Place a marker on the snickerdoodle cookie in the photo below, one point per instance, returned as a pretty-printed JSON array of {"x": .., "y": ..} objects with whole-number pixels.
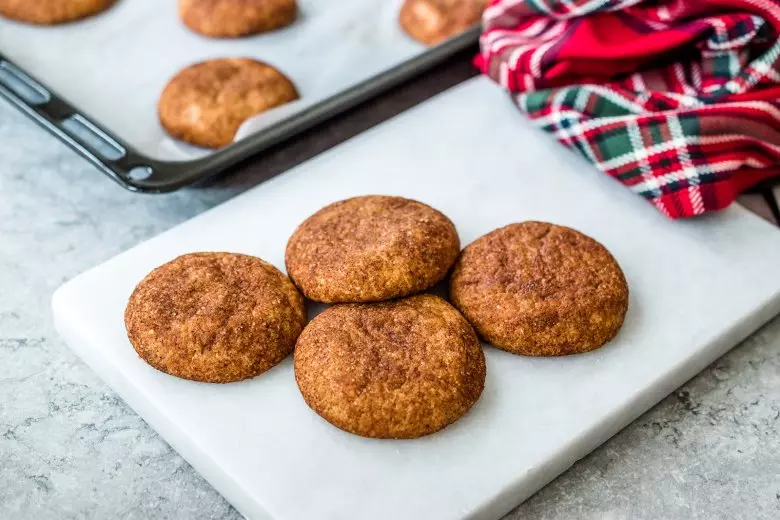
[
  {"x": 51, "y": 12},
  {"x": 214, "y": 317},
  {"x": 433, "y": 21},
  {"x": 399, "y": 369},
  {"x": 206, "y": 103},
  {"x": 539, "y": 289},
  {"x": 371, "y": 248},
  {"x": 234, "y": 18}
]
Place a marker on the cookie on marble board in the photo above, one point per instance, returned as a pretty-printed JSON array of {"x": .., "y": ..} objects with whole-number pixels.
[
  {"x": 393, "y": 370},
  {"x": 433, "y": 21},
  {"x": 539, "y": 289},
  {"x": 233, "y": 19},
  {"x": 214, "y": 317},
  {"x": 52, "y": 12},
  {"x": 206, "y": 103},
  {"x": 371, "y": 248}
]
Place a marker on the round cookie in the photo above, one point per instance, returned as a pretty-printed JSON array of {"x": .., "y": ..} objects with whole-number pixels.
[
  {"x": 52, "y": 12},
  {"x": 433, "y": 21},
  {"x": 538, "y": 289},
  {"x": 371, "y": 248},
  {"x": 399, "y": 369},
  {"x": 214, "y": 317},
  {"x": 232, "y": 18},
  {"x": 206, "y": 103}
]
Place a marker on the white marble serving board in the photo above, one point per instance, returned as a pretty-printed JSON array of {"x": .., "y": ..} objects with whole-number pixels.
[
  {"x": 114, "y": 66},
  {"x": 697, "y": 288}
]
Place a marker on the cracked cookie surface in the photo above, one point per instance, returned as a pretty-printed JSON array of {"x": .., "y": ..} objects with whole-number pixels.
[
  {"x": 206, "y": 103},
  {"x": 214, "y": 317},
  {"x": 371, "y": 248},
  {"x": 399, "y": 369},
  {"x": 235, "y": 18},
  {"x": 52, "y": 12},
  {"x": 539, "y": 289},
  {"x": 433, "y": 21}
]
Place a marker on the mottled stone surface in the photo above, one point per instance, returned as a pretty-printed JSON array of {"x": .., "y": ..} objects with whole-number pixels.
[
  {"x": 70, "y": 448},
  {"x": 709, "y": 451}
]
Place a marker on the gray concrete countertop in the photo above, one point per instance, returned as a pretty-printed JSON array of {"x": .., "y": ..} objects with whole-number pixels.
[{"x": 70, "y": 448}]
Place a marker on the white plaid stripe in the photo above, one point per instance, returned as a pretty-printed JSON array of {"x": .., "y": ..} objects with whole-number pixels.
[
  {"x": 771, "y": 73},
  {"x": 496, "y": 39},
  {"x": 529, "y": 83},
  {"x": 717, "y": 167},
  {"x": 725, "y": 43},
  {"x": 640, "y": 155},
  {"x": 574, "y": 128},
  {"x": 573, "y": 10},
  {"x": 688, "y": 170},
  {"x": 666, "y": 146},
  {"x": 761, "y": 67},
  {"x": 658, "y": 203},
  {"x": 580, "y": 101},
  {"x": 500, "y": 15},
  {"x": 638, "y": 82},
  {"x": 503, "y": 72},
  {"x": 696, "y": 74},
  {"x": 679, "y": 74},
  {"x": 515, "y": 55},
  {"x": 697, "y": 203},
  {"x": 591, "y": 124},
  {"x": 536, "y": 58}
]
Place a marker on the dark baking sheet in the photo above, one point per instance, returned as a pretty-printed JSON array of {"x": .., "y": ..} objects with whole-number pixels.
[{"x": 141, "y": 172}]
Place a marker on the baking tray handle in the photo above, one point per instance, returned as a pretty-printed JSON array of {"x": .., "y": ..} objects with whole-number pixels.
[
  {"x": 107, "y": 152},
  {"x": 138, "y": 172}
]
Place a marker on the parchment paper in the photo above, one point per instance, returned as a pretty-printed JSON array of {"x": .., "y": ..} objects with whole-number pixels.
[{"x": 114, "y": 66}]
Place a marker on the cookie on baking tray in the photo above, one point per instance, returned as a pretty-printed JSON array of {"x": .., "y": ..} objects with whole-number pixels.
[
  {"x": 52, "y": 12},
  {"x": 433, "y": 21},
  {"x": 232, "y": 19},
  {"x": 400, "y": 369},
  {"x": 206, "y": 103},
  {"x": 539, "y": 289},
  {"x": 371, "y": 248},
  {"x": 214, "y": 317}
]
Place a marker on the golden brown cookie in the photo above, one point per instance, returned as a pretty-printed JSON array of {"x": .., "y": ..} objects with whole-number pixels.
[
  {"x": 51, "y": 12},
  {"x": 206, "y": 103},
  {"x": 433, "y": 21},
  {"x": 539, "y": 289},
  {"x": 214, "y": 317},
  {"x": 399, "y": 369},
  {"x": 371, "y": 248},
  {"x": 234, "y": 18}
]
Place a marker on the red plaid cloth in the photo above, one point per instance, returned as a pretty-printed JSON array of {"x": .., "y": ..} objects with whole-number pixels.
[{"x": 677, "y": 99}]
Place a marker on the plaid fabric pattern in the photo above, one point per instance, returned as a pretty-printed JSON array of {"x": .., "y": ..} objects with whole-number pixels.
[{"x": 677, "y": 99}]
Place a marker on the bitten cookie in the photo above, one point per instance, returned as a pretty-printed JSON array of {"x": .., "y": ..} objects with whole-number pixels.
[
  {"x": 433, "y": 21},
  {"x": 206, "y": 103},
  {"x": 232, "y": 18},
  {"x": 371, "y": 248},
  {"x": 52, "y": 12},
  {"x": 399, "y": 369},
  {"x": 539, "y": 289},
  {"x": 214, "y": 317}
]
